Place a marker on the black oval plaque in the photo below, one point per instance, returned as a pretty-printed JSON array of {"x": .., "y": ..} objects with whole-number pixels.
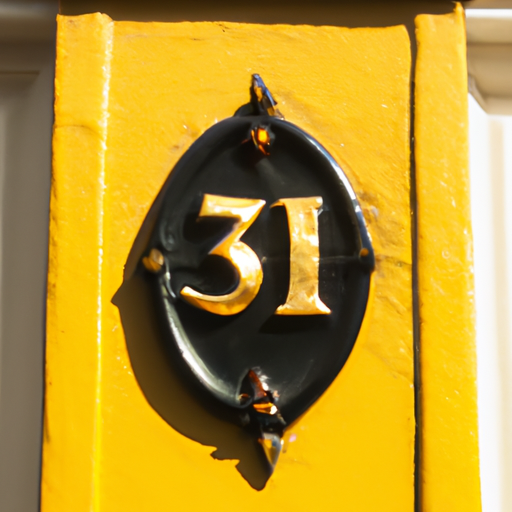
[{"x": 271, "y": 366}]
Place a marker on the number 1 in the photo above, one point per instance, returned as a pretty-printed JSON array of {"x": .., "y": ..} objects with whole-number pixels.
[{"x": 303, "y": 298}]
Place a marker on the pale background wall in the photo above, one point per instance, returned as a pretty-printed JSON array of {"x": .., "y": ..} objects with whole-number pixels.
[
  {"x": 26, "y": 94},
  {"x": 491, "y": 179},
  {"x": 490, "y": 115}
]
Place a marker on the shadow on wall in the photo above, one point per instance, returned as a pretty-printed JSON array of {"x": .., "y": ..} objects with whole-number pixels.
[{"x": 177, "y": 399}]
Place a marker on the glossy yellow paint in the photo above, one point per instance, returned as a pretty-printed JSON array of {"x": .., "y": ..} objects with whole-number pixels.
[
  {"x": 131, "y": 98},
  {"x": 72, "y": 431},
  {"x": 449, "y": 443}
]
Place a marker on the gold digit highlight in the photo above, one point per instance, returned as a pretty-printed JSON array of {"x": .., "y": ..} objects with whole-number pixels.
[
  {"x": 240, "y": 255},
  {"x": 303, "y": 298}
]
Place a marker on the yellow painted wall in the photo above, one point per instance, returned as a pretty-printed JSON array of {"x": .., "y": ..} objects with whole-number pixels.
[
  {"x": 449, "y": 438},
  {"x": 130, "y": 99}
]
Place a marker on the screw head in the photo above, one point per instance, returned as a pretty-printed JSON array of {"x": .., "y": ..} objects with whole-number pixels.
[{"x": 154, "y": 261}]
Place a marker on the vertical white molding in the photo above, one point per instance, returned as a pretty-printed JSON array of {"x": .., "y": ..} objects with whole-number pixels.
[
  {"x": 491, "y": 196},
  {"x": 503, "y": 173}
]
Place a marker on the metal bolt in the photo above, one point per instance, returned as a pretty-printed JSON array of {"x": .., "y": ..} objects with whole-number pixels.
[{"x": 154, "y": 261}]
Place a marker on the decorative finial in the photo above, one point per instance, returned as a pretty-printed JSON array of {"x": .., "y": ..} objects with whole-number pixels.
[{"x": 261, "y": 98}]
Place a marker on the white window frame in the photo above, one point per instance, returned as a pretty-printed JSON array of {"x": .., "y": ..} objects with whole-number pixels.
[{"x": 490, "y": 114}]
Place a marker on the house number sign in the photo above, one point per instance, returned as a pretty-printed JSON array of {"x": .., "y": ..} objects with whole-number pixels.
[{"x": 261, "y": 262}]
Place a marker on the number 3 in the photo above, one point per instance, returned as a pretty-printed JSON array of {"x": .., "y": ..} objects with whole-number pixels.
[
  {"x": 302, "y": 214},
  {"x": 240, "y": 255}
]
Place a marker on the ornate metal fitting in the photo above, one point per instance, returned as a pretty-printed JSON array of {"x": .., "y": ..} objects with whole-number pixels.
[{"x": 259, "y": 255}]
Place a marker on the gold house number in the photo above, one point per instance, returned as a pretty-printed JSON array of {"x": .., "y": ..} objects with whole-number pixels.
[{"x": 302, "y": 214}]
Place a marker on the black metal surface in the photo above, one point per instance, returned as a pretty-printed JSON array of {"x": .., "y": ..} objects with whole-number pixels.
[{"x": 298, "y": 357}]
